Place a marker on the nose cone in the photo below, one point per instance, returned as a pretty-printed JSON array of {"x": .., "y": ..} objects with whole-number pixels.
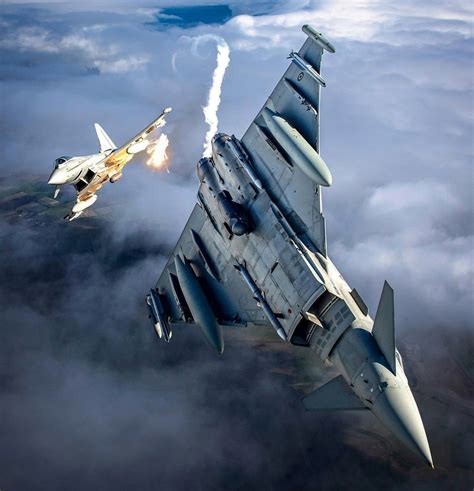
[
  {"x": 397, "y": 410},
  {"x": 56, "y": 177}
]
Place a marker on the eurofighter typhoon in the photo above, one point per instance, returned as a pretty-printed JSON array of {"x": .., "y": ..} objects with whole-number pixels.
[
  {"x": 253, "y": 252},
  {"x": 89, "y": 173}
]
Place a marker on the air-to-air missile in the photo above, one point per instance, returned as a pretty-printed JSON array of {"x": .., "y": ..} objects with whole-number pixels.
[
  {"x": 254, "y": 253},
  {"x": 157, "y": 314}
]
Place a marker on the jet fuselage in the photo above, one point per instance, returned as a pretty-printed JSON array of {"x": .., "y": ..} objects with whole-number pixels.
[
  {"x": 262, "y": 236},
  {"x": 74, "y": 168}
]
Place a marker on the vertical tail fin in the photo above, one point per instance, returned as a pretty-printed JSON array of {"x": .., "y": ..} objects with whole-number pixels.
[
  {"x": 105, "y": 142},
  {"x": 384, "y": 326}
]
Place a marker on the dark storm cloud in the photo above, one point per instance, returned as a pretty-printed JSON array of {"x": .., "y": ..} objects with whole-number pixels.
[{"x": 89, "y": 398}]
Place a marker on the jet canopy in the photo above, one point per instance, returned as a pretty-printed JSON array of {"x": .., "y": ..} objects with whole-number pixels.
[{"x": 60, "y": 161}]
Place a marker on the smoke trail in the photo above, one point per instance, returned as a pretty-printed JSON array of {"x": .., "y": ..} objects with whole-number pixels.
[{"x": 214, "y": 97}]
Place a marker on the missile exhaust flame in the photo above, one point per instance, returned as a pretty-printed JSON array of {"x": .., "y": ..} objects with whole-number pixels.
[{"x": 157, "y": 152}]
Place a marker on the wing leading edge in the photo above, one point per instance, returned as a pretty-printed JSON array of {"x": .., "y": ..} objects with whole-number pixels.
[{"x": 295, "y": 101}]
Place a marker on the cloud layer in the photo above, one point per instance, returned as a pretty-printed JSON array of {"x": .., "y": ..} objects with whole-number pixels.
[{"x": 87, "y": 395}]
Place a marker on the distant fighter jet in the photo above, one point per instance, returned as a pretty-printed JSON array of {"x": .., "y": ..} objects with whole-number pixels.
[
  {"x": 89, "y": 173},
  {"x": 254, "y": 253}
]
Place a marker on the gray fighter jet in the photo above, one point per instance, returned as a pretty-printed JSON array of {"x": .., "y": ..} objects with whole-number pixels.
[
  {"x": 254, "y": 253},
  {"x": 90, "y": 172}
]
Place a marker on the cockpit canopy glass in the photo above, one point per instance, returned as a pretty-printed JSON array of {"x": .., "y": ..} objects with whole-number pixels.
[{"x": 60, "y": 161}]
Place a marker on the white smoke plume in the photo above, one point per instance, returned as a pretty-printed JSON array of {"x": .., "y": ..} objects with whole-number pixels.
[{"x": 214, "y": 97}]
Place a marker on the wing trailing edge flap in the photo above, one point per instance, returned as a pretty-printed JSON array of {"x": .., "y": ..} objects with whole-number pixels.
[{"x": 333, "y": 396}]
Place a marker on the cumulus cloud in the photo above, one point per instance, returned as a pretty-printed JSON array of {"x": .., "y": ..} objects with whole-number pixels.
[
  {"x": 362, "y": 20},
  {"x": 105, "y": 57},
  {"x": 397, "y": 133}
]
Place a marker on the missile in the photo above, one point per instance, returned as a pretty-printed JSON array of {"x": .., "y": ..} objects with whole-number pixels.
[
  {"x": 296, "y": 242},
  {"x": 179, "y": 297},
  {"x": 238, "y": 153},
  {"x": 157, "y": 314},
  {"x": 72, "y": 216},
  {"x": 299, "y": 96},
  {"x": 198, "y": 304},
  {"x": 257, "y": 294},
  {"x": 318, "y": 38},
  {"x": 80, "y": 206},
  {"x": 306, "y": 67},
  {"x": 299, "y": 150},
  {"x": 137, "y": 147}
]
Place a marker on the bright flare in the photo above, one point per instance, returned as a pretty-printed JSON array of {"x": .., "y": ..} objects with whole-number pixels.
[{"x": 157, "y": 152}]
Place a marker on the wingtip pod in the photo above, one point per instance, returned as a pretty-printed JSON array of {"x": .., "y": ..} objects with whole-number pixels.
[
  {"x": 167, "y": 110},
  {"x": 318, "y": 38}
]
